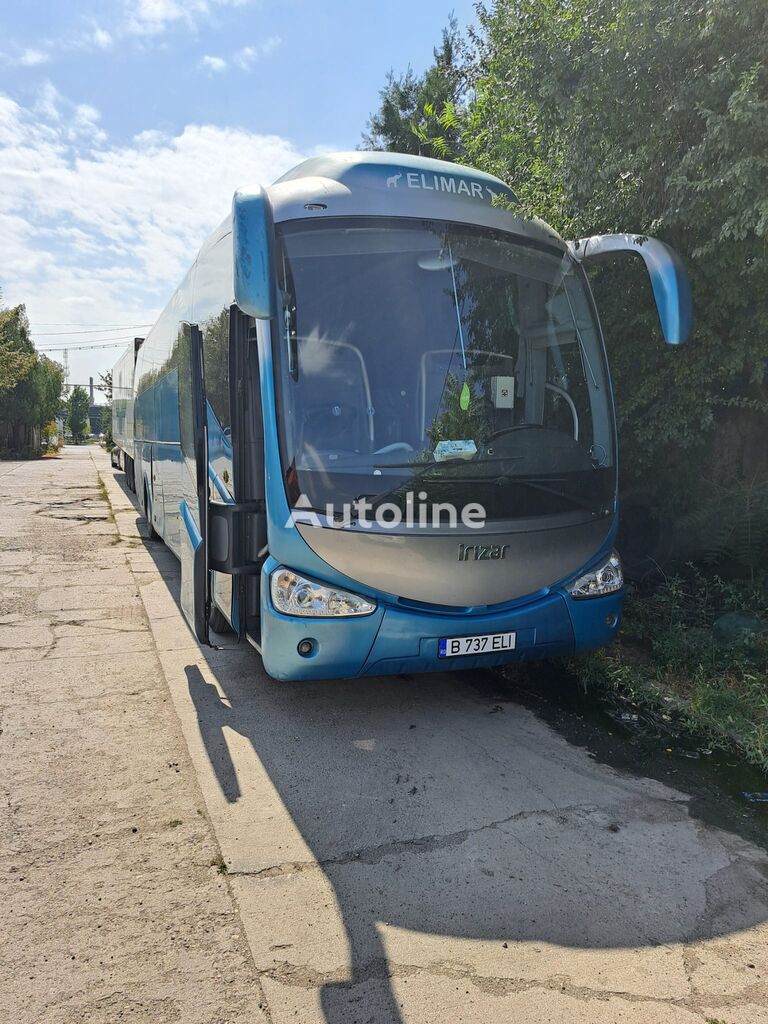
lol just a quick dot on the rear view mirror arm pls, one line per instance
(669, 281)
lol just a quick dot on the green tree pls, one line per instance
(422, 114)
(17, 353)
(648, 116)
(52, 383)
(77, 413)
(106, 384)
(105, 425)
(30, 385)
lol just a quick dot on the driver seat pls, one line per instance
(334, 400)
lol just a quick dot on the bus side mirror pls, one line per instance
(669, 281)
(252, 235)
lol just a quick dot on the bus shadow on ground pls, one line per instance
(439, 814)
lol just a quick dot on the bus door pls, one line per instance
(215, 536)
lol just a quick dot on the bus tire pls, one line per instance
(217, 621)
(130, 474)
(153, 534)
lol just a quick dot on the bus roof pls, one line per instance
(387, 184)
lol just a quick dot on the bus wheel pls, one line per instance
(153, 534)
(217, 621)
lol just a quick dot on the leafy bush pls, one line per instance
(667, 656)
(731, 528)
(53, 438)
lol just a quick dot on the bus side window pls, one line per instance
(216, 355)
(212, 291)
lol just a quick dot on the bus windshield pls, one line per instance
(449, 359)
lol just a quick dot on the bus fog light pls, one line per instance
(305, 648)
(605, 578)
(295, 595)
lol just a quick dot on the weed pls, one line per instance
(175, 822)
(219, 863)
(104, 495)
(667, 657)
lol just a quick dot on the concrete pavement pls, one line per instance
(397, 849)
(112, 907)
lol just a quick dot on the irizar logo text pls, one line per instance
(442, 183)
(482, 552)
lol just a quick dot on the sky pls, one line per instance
(126, 125)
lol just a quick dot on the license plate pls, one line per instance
(491, 643)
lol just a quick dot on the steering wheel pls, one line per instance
(398, 446)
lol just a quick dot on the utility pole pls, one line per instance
(65, 362)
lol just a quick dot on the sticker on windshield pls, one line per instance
(454, 450)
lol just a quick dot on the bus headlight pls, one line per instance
(605, 578)
(295, 595)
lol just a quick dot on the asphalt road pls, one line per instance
(396, 849)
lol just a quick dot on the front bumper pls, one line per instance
(400, 638)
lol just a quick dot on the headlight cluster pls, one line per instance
(604, 579)
(295, 595)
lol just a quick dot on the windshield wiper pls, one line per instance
(424, 467)
(448, 462)
(579, 502)
(582, 347)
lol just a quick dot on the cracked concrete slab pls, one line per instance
(70, 598)
(399, 853)
(396, 851)
(111, 903)
(384, 836)
(447, 993)
(84, 677)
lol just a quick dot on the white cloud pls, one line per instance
(151, 137)
(214, 64)
(32, 57)
(100, 233)
(47, 102)
(250, 55)
(99, 38)
(150, 17)
(86, 114)
(94, 38)
(244, 58)
(138, 18)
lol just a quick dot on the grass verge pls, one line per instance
(669, 658)
(104, 495)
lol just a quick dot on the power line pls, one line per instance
(100, 330)
(85, 348)
(83, 323)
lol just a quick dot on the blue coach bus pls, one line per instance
(375, 423)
